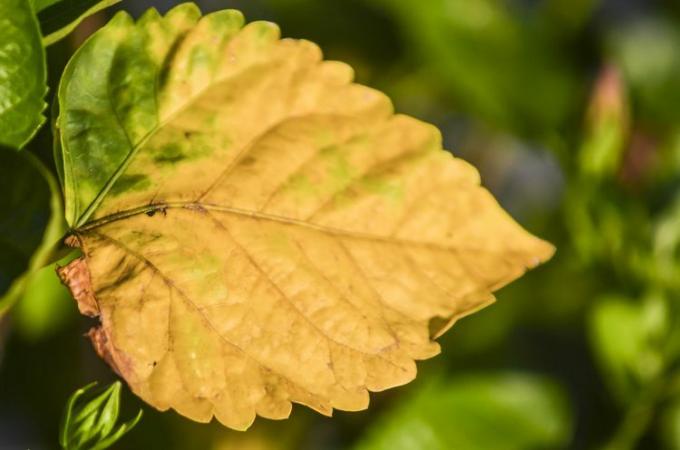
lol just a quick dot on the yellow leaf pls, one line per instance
(267, 232)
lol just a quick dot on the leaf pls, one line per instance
(24, 216)
(503, 411)
(31, 222)
(23, 75)
(60, 18)
(652, 75)
(258, 230)
(670, 425)
(495, 58)
(43, 308)
(90, 422)
(39, 5)
(626, 341)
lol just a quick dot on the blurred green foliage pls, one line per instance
(494, 412)
(26, 212)
(31, 225)
(481, 53)
(571, 111)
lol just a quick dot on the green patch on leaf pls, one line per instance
(133, 182)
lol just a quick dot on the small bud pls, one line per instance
(608, 99)
(90, 424)
(607, 125)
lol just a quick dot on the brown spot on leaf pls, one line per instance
(76, 276)
(72, 241)
(100, 342)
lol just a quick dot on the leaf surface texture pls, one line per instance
(22, 74)
(259, 230)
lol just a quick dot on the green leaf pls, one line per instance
(664, 267)
(39, 5)
(31, 222)
(646, 50)
(89, 423)
(60, 18)
(624, 334)
(496, 63)
(24, 213)
(670, 425)
(44, 307)
(499, 411)
(22, 74)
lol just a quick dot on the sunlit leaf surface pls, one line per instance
(258, 230)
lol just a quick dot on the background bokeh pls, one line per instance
(571, 111)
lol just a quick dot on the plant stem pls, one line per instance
(637, 418)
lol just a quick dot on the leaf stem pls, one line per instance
(51, 247)
(638, 417)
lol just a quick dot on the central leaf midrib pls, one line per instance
(197, 207)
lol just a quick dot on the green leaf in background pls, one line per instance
(39, 5)
(89, 423)
(647, 51)
(631, 340)
(59, 18)
(569, 14)
(31, 222)
(623, 334)
(485, 411)
(45, 306)
(664, 267)
(670, 426)
(22, 74)
(495, 63)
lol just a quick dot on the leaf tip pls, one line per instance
(544, 252)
